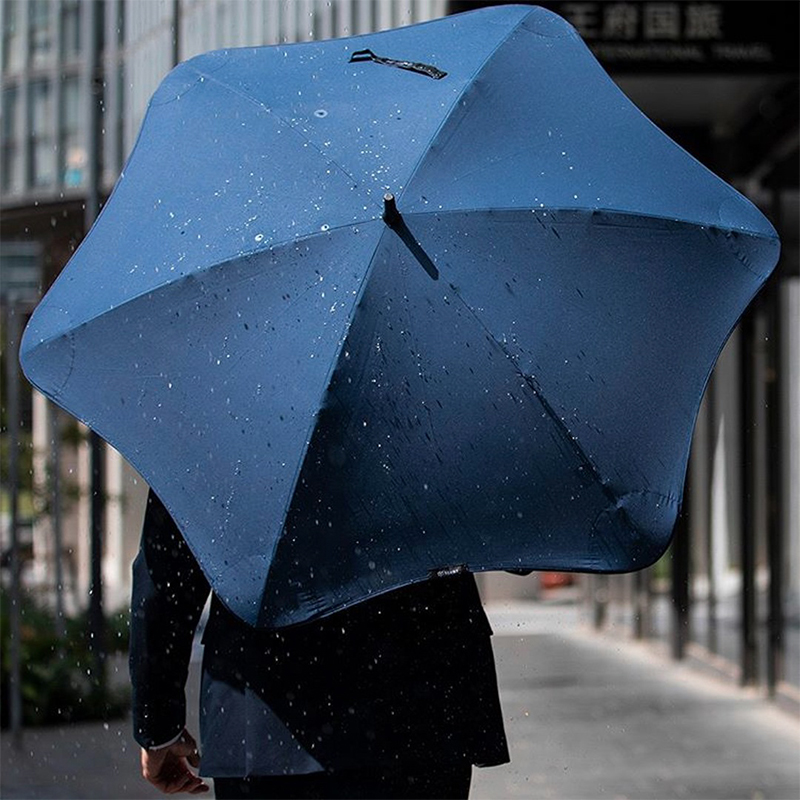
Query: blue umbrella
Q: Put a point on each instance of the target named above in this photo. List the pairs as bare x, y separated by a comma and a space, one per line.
370, 310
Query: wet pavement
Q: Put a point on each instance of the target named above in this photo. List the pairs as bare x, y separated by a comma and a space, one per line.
593, 716
587, 716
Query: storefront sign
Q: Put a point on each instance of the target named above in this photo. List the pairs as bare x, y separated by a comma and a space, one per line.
729, 36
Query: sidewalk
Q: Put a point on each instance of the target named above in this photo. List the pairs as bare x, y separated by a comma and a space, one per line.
587, 717
591, 716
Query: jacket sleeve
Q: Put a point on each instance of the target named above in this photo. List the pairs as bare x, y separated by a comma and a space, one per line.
168, 594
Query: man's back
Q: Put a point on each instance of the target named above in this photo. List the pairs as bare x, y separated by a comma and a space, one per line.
405, 678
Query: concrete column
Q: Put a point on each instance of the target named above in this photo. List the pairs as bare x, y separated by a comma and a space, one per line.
790, 336
344, 18
41, 569
384, 19
725, 479
272, 22
115, 569
84, 518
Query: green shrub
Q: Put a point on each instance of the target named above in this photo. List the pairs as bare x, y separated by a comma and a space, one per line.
58, 680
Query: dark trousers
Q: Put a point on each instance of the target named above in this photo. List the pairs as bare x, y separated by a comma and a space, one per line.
431, 782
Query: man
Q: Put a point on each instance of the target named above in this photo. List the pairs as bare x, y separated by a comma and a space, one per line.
395, 697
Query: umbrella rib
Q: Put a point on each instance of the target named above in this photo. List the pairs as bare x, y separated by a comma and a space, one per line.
595, 211
326, 384
293, 127
561, 426
241, 256
467, 85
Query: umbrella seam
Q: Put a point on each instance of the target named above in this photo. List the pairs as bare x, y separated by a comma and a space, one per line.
561, 426
470, 82
286, 122
671, 499
597, 210
71, 337
619, 546
315, 419
241, 256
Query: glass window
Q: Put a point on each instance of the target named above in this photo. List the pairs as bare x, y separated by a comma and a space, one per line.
41, 32
120, 12
12, 36
70, 29
10, 167
73, 149
42, 152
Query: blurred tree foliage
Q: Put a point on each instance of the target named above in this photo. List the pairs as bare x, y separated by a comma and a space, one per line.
57, 681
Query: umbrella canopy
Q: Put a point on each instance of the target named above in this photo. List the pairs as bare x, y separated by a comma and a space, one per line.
369, 310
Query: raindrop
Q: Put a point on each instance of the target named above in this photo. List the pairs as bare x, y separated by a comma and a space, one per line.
321, 113
258, 237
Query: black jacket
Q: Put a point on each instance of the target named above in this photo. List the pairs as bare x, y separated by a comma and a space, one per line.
406, 677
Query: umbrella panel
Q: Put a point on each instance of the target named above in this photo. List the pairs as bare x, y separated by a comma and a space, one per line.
617, 317
219, 381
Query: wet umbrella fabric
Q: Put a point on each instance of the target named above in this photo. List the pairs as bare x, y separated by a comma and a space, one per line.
334, 398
